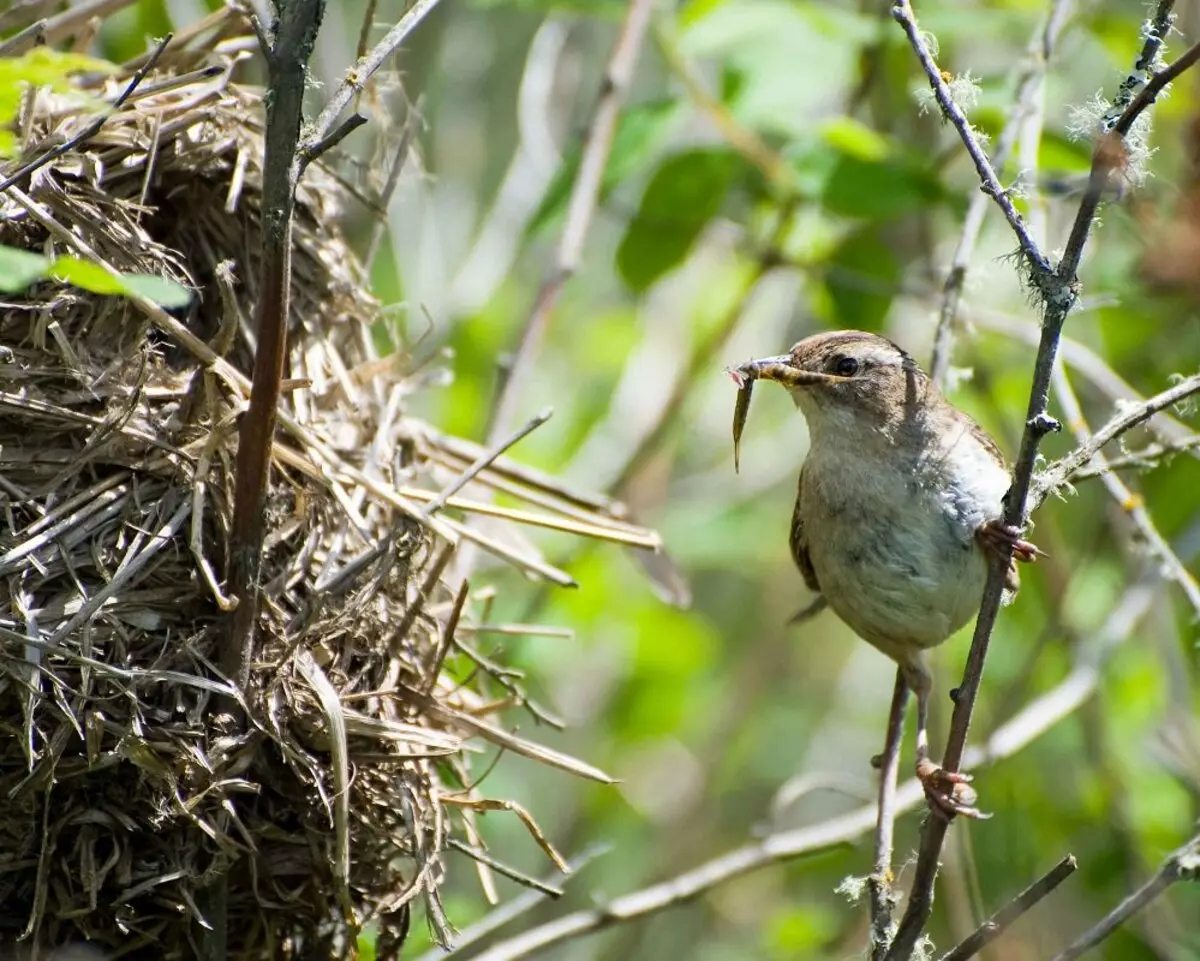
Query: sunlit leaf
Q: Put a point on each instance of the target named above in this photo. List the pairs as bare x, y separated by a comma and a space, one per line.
861, 281
685, 193
166, 293
82, 273
641, 130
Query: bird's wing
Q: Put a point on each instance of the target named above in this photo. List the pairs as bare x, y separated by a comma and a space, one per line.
799, 545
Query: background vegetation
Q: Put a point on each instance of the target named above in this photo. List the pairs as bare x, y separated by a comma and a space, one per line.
774, 174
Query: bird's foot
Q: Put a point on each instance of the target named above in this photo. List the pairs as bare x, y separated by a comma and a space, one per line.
1002, 538
949, 792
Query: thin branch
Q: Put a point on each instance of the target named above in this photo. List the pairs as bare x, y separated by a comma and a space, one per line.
310, 153
92, 128
1062, 470
1058, 291
1144, 459
880, 883
994, 926
1158, 82
585, 196
500, 867
1126, 499
1182, 864
23, 39
1029, 90
506, 913
1087, 363
319, 138
902, 13
295, 37
485, 460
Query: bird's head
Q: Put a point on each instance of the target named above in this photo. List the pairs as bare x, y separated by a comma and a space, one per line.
847, 374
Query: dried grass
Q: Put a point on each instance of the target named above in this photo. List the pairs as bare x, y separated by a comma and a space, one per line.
127, 789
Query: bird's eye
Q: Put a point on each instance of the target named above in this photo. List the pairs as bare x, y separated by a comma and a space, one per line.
845, 366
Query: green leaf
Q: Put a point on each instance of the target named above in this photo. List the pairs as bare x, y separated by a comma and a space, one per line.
861, 280
20, 268
166, 293
685, 193
640, 131
854, 139
82, 273
879, 190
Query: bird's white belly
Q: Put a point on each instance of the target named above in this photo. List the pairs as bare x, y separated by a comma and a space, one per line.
894, 547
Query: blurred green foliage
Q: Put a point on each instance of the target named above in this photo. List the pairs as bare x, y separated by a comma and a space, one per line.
704, 713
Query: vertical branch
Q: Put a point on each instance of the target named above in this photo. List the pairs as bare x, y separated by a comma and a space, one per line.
294, 37
585, 196
1029, 91
880, 881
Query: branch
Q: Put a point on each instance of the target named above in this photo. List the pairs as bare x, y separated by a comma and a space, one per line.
902, 13
880, 882
1038, 717
323, 136
1128, 501
24, 39
1029, 88
994, 926
1182, 864
292, 45
1144, 459
92, 128
585, 196
1062, 470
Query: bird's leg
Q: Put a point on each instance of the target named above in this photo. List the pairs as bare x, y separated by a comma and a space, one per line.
949, 792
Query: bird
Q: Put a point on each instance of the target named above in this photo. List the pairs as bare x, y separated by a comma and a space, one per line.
898, 508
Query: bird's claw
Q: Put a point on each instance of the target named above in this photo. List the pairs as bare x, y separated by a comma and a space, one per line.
949, 792
998, 536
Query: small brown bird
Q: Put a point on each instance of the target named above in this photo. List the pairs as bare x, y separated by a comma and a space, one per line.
899, 502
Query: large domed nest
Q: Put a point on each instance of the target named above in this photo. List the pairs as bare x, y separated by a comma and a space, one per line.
145, 799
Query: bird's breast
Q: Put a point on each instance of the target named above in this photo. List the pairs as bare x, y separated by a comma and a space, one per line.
892, 539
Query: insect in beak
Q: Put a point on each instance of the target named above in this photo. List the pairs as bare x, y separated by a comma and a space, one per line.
778, 369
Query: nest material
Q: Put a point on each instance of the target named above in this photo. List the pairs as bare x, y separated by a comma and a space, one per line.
131, 793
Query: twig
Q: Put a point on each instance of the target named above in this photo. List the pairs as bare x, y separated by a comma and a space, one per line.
1086, 362
585, 195
1182, 864
292, 45
506, 913
320, 138
902, 13
1126, 499
485, 460
994, 926
499, 867
92, 128
23, 39
1144, 459
1058, 290
1158, 82
1063, 469
880, 882
1029, 88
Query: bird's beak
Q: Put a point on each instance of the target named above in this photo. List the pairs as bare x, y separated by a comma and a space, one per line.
781, 370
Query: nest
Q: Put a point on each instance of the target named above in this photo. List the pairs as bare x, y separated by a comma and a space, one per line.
145, 800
